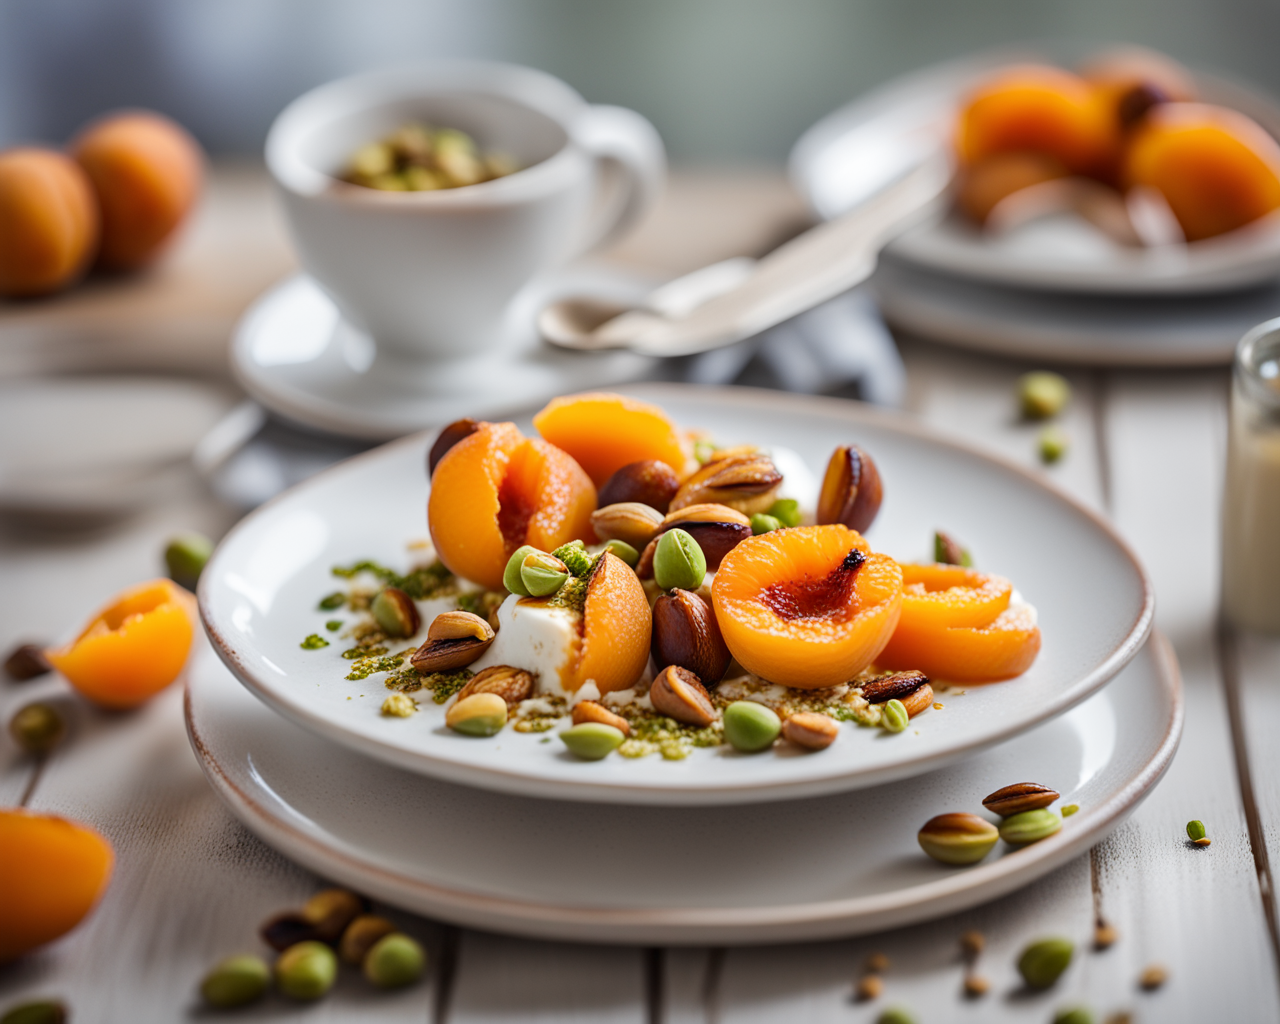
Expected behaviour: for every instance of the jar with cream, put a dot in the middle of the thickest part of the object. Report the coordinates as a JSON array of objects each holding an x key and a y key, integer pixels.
[{"x": 1251, "y": 503}]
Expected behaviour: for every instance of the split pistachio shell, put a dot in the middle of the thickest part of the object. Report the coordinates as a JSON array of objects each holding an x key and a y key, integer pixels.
[
  {"x": 678, "y": 693},
  {"x": 511, "y": 574},
  {"x": 592, "y": 741},
  {"x": 306, "y": 970},
  {"x": 631, "y": 521},
  {"x": 1029, "y": 827},
  {"x": 1042, "y": 963},
  {"x": 750, "y": 727},
  {"x": 395, "y": 613},
  {"x": 235, "y": 981},
  {"x": 481, "y": 714},
  {"x": 958, "y": 838},
  {"x": 459, "y": 625},
  {"x": 1021, "y": 796}
]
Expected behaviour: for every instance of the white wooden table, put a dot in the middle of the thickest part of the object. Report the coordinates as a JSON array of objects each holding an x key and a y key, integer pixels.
[{"x": 192, "y": 885}]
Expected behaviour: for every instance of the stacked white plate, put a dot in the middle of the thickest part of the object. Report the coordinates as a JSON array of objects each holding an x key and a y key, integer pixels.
[
  {"x": 1056, "y": 289},
  {"x": 513, "y": 834}
]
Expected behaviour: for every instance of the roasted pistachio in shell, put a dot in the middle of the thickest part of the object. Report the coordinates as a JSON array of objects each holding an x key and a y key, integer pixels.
[
  {"x": 957, "y": 838},
  {"x": 1021, "y": 796},
  {"x": 481, "y": 714},
  {"x": 511, "y": 574},
  {"x": 511, "y": 684},
  {"x": 747, "y": 481},
  {"x": 593, "y": 711},
  {"x": 851, "y": 489},
  {"x": 811, "y": 730},
  {"x": 288, "y": 929},
  {"x": 631, "y": 521},
  {"x": 395, "y": 613},
  {"x": 678, "y": 693},
  {"x": 685, "y": 633},
  {"x": 543, "y": 574},
  {"x": 454, "y": 640},
  {"x": 331, "y": 910},
  {"x": 649, "y": 482},
  {"x": 911, "y": 689},
  {"x": 360, "y": 936},
  {"x": 26, "y": 661},
  {"x": 447, "y": 438}
]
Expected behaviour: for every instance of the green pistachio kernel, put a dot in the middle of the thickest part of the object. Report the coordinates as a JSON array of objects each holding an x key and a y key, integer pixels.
[
  {"x": 786, "y": 511},
  {"x": 46, "y": 1011},
  {"x": 624, "y": 551},
  {"x": 1195, "y": 829},
  {"x": 592, "y": 741},
  {"x": 750, "y": 727},
  {"x": 481, "y": 714},
  {"x": 237, "y": 980},
  {"x": 511, "y": 574},
  {"x": 1073, "y": 1015},
  {"x": 1029, "y": 826},
  {"x": 1069, "y": 810},
  {"x": 306, "y": 970},
  {"x": 575, "y": 557},
  {"x": 542, "y": 574},
  {"x": 185, "y": 557},
  {"x": 1053, "y": 444},
  {"x": 1043, "y": 394},
  {"x": 894, "y": 717},
  {"x": 1043, "y": 962},
  {"x": 678, "y": 562},
  {"x": 37, "y": 728},
  {"x": 761, "y": 523},
  {"x": 314, "y": 642},
  {"x": 896, "y": 1015},
  {"x": 394, "y": 961},
  {"x": 395, "y": 613},
  {"x": 703, "y": 450},
  {"x": 331, "y": 601}
]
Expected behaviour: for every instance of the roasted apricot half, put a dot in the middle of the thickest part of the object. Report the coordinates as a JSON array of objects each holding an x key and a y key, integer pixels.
[
  {"x": 605, "y": 432},
  {"x": 616, "y": 629},
  {"x": 496, "y": 490},
  {"x": 957, "y": 625},
  {"x": 1217, "y": 169},
  {"x": 809, "y": 606}
]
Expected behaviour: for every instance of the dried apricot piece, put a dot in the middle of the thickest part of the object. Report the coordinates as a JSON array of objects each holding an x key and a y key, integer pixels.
[
  {"x": 605, "y": 432},
  {"x": 807, "y": 607},
  {"x": 616, "y": 629}
]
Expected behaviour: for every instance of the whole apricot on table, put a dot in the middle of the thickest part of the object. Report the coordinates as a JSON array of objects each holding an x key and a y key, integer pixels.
[
  {"x": 52, "y": 872},
  {"x": 1037, "y": 109},
  {"x": 133, "y": 648},
  {"x": 48, "y": 222},
  {"x": 809, "y": 606},
  {"x": 497, "y": 490},
  {"x": 604, "y": 432},
  {"x": 146, "y": 172},
  {"x": 1217, "y": 169}
]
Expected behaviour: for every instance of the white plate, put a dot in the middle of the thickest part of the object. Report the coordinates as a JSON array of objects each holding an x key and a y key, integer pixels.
[
  {"x": 914, "y": 114},
  {"x": 804, "y": 869},
  {"x": 295, "y": 355},
  {"x": 258, "y": 599}
]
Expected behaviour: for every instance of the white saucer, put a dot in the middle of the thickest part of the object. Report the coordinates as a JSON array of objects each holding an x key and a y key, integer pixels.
[
  {"x": 897, "y": 123},
  {"x": 259, "y": 593},
  {"x": 803, "y": 869},
  {"x": 295, "y": 355}
]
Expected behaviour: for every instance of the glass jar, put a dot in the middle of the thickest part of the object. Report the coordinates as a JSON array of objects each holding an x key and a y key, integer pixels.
[{"x": 1251, "y": 503}]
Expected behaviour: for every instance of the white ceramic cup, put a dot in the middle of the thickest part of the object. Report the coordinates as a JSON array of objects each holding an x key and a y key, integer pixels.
[{"x": 431, "y": 274}]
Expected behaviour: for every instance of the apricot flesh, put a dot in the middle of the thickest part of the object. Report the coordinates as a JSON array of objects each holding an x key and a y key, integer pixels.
[
  {"x": 52, "y": 872},
  {"x": 48, "y": 222},
  {"x": 146, "y": 171},
  {"x": 616, "y": 629},
  {"x": 1217, "y": 169},
  {"x": 806, "y": 607},
  {"x": 496, "y": 490},
  {"x": 1037, "y": 109},
  {"x": 605, "y": 432}
]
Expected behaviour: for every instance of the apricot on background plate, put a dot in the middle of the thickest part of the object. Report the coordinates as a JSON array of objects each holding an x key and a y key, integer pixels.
[
  {"x": 1038, "y": 109},
  {"x": 807, "y": 607},
  {"x": 52, "y": 872},
  {"x": 605, "y": 432},
  {"x": 496, "y": 490},
  {"x": 146, "y": 172},
  {"x": 1217, "y": 169},
  {"x": 48, "y": 222}
]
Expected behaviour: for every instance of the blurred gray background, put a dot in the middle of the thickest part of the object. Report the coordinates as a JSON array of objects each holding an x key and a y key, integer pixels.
[{"x": 723, "y": 80}]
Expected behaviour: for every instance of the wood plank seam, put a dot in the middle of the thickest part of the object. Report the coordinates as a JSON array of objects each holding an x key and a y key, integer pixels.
[
  {"x": 446, "y": 973},
  {"x": 714, "y": 971},
  {"x": 654, "y": 966},
  {"x": 1227, "y": 651}
]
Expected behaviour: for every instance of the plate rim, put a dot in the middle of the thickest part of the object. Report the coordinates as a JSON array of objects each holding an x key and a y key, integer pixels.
[
  {"x": 722, "y": 925},
  {"x": 512, "y": 780}
]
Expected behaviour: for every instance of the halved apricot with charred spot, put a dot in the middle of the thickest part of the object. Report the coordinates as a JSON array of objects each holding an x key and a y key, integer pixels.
[
  {"x": 605, "y": 432},
  {"x": 957, "y": 625},
  {"x": 807, "y": 607},
  {"x": 616, "y": 629},
  {"x": 497, "y": 489}
]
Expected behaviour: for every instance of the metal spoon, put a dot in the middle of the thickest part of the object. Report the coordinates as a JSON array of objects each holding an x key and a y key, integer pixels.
[{"x": 719, "y": 310}]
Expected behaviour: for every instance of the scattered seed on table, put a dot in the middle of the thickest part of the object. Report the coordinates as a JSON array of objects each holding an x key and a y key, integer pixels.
[
  {"x": 1104, "y": 936},
  {"x": 1152, "y": 977},
  {"x": 870, "y": 987}
]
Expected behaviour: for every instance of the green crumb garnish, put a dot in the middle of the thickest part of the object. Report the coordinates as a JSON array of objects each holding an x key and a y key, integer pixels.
[
  {"x": 428, "y": 581},
  {"x": 314, "y": 642},
  {"x": 480, "y": 602},
  {"x": 335, "y": 600},
  {"x": 363, "y": 652},
  {"x": 366, "y": 667},
  {"x": 333, "y": 625},
  {"x": 572, "y": 595},
  {"x": 575, "y": 557}
]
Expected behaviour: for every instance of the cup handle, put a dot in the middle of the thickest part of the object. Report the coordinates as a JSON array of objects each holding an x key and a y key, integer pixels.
[{"x": 634, "y": 170}]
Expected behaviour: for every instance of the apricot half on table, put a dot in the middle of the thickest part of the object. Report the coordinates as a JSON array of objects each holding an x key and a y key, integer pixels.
[
  {"x": 48, "y": 222},
  {"x": 1217, "y": 169},
  {"x": 133, "y": 648},
  {"x": 957, "y": 625},
  {"x": 605, "y": 432},
  {"x": 496, "y": 490},
  {"x": 52, "y": 872},
  {"x": 616, "y": 629},
  {"x": 145, "y": 170},
  {"x": 1037, "y": 109},
  {"x": 807, "y": 607}
]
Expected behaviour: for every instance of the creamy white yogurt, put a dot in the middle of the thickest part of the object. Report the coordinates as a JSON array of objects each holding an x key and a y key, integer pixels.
[{"x": 538, "y": 638}]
